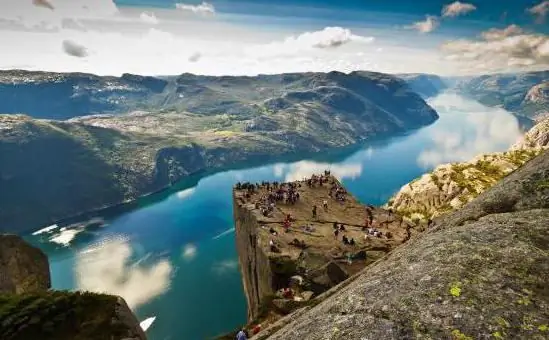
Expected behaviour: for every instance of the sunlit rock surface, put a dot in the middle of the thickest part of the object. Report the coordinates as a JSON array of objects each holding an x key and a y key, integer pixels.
[
  {"x": 451, "y": 186},
  {"x": 478, "y": 273}
]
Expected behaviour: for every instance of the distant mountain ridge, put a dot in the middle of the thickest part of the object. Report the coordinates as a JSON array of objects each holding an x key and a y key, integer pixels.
[{"x": 152, "y": 132}]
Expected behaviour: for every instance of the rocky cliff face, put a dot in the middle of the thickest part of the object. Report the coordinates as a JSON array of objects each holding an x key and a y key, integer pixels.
[
  {"x": 478, "y": 273},
  {"x": 451, "y": 186},
  {"x": 307, "y": 257},
  {"x": 29, "y": 310},
  {"x": 23, "y": 268},
  {"x": 257, "y": 275}
]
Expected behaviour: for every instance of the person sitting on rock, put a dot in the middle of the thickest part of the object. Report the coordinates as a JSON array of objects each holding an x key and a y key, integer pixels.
[
  {"x": 345, "y": 240},
  {"x": 272, "y": 231},
  {"x": 287, "y": 293},
  {"x": 341, "y": 227},
  {"x": 325, "y": 204},
  {"x": 273, "y": 247},
  {"x": 242, "y": 335},
  {"x": 352, "y": 242}
]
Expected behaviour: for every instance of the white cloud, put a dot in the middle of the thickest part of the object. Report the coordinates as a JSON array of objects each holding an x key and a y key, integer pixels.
[
  {"x": 195, "y": 57},
  {"x": 486, "y": 129},
  {"x": 498, "y": 34},
  {"x": 304, "y": 169},
  {"x": 225, "y": 266},
  {"x": 457, "y": 8},
  {"x": 428, "y": 25},
  {"x": 149, "y": 18},
  {"x": 188, "y": 252},
  {"x": 501, "y": 50},
  {"x": 185, "y": 193},
  {"x": 50, "y": 14},
  {"x": 107, "y": 268},
  {"x": 326, "y": 38},
  {"x": 540, "y": 11},
  {"x": 203, "y": 8},
  {"x": 66, "y": 235},
  {"x": 73, "y": 49}
]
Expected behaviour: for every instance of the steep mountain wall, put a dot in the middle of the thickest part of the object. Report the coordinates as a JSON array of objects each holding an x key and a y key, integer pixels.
[{"x": 254, "y": 262}]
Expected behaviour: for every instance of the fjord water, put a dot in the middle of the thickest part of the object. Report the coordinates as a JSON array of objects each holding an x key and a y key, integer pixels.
[{"x": 172, "y": 255}]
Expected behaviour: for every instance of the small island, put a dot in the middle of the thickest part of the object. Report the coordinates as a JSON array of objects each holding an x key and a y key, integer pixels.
[{"x": 297, "y": 240}]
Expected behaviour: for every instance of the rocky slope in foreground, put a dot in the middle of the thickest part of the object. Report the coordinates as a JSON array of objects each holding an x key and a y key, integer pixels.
[
  {"x": 478, "y": 273},
  {"x": 61, "y": 168},
  {"x": 29, "y": 311},
  {"x": 451, "y": 186}
]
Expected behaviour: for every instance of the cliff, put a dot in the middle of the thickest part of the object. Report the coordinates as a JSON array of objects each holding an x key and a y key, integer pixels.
[
  {"x": 450, "y": 186},
  {"x": 23, "y": 268},
  {"x": 29, "y": 310},
  {"x": 477, "y": 273},
  {"x": 200, "y": 123},
  {"x": 309, "y": 258}
]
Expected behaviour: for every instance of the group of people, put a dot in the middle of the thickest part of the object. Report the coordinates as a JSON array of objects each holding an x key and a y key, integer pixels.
[
  {"x": 318, "y": 179},
  {"x": 338, "y": 193},
  {"x": 340, "y": 228}
]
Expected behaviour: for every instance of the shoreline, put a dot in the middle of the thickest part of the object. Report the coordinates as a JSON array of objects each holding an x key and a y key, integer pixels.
[{"x": 192, "y": 179}]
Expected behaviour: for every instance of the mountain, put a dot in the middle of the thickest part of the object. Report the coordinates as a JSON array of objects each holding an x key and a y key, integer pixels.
[
  {"x": 525, "y": 94},
  {"x": 477, "y": 273},
  {"x": 427, "y": 85},
  {"x": 451, "y": 186},
  {"x": 181, "y": 125}
]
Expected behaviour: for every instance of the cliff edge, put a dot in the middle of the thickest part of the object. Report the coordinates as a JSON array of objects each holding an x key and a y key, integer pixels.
[
  {"x": 28, "y": 310},
  {"x": 291, "y": 252},
  {"x": 478, "y": 273}
]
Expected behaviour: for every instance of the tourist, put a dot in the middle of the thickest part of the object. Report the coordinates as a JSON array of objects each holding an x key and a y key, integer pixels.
[
  {"x": 325, "y": 204},
  {"x": 336, "y": 233},
  {"x": 314, "y": 211},
  {"x": 352, "y": 242},
  {"x": 256, "y": 329},
  {"x": 242, "y": 335},
  {"x": 345, "y": 240}
]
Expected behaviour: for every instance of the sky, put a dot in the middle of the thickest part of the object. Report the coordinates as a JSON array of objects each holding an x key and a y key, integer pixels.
[{"x": 230, "y": 37}]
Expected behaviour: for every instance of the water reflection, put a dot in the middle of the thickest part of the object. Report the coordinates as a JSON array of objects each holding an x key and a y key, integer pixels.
[
  {"x": 483, "y": 130},
  {"x": 304, "y": 169},
  {"x": 106, "y": 267}
]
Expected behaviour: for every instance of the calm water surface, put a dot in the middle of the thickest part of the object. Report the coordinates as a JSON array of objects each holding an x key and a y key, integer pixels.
[{"x": 173, "y": 255}]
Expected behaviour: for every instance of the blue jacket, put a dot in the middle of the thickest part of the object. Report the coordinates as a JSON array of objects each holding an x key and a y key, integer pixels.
[{"x": 241, "y": 336}]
